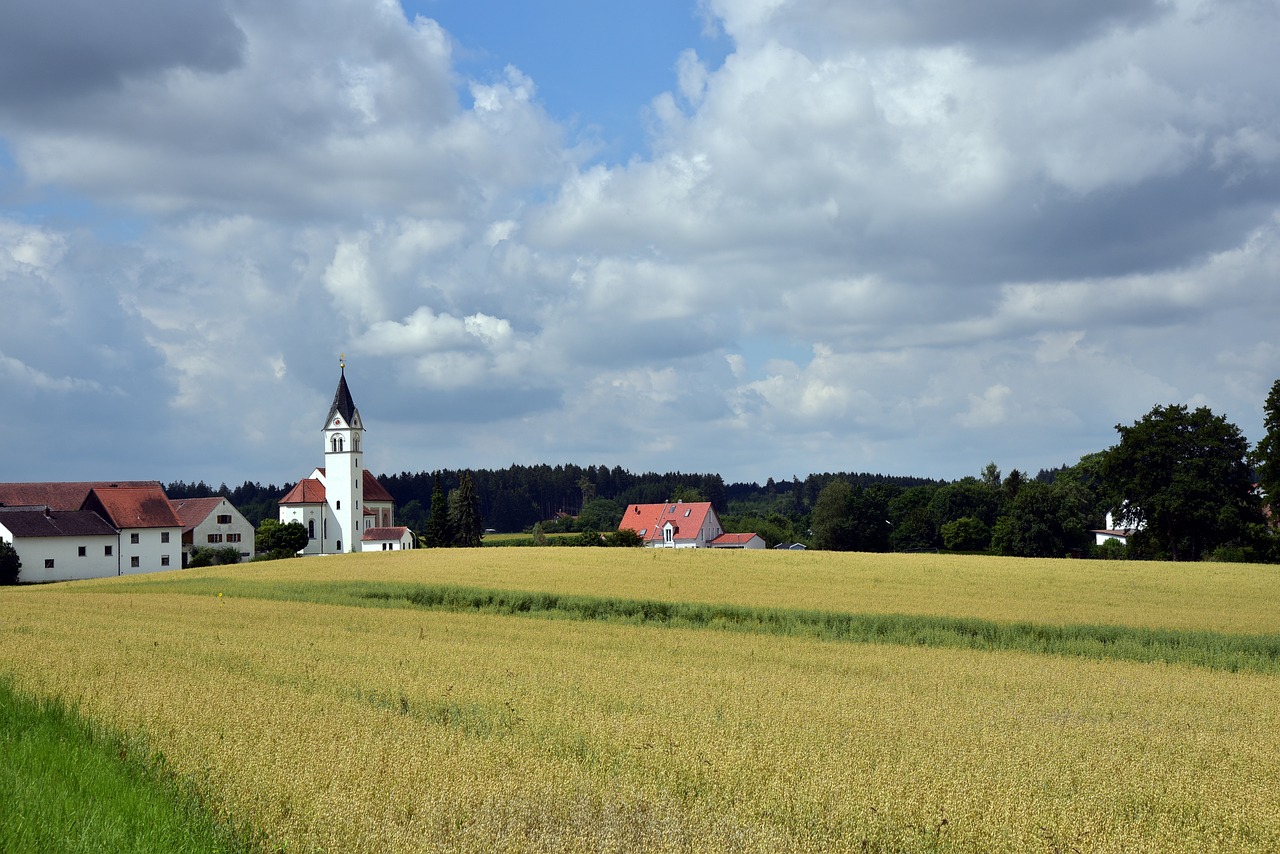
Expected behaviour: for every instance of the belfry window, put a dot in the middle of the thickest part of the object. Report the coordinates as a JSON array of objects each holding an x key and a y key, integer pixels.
[{"x": 336, "y": 444}]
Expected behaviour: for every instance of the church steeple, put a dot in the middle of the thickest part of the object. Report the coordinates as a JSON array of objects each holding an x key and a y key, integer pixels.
[{"x": 343, "y": 406}]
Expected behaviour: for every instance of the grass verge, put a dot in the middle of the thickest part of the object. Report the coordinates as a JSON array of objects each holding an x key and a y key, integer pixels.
[{"x": 65, "y": 787}]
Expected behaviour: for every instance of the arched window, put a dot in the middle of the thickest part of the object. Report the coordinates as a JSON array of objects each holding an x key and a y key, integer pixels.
[
  {"x": 355, "y": 442},
  {"x": 311, "y": 528},
  {"x": 336, "y": 444}
]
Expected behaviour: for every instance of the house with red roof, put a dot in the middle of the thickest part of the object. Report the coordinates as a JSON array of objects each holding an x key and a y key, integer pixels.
[
  {"x": 342, "y": 500},
  {"x": 213, "y": 523},
  {"x": 683, "y": 525},
  {"x": 53, "y": 529}
]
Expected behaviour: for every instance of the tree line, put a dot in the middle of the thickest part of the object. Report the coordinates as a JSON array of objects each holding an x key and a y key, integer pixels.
[{"x": 1184, "y": 481}]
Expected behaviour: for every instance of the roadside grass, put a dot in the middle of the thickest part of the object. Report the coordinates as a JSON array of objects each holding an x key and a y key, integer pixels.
[{"x": 66, "y": 787}]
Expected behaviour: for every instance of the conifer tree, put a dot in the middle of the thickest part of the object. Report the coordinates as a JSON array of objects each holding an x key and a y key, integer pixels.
[{"x": 437, "y": 534}]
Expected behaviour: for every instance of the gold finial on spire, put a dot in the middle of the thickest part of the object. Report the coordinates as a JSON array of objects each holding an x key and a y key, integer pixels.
[{"x": 342, "y": 361}]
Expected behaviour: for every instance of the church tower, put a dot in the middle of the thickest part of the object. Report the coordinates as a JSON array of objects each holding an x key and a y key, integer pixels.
[{"x": 343, "y": 472}]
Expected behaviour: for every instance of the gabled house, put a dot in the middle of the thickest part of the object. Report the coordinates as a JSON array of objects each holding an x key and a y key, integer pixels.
[
  {"x": 212, "y": 523},
  {"x": 389, "y": 539},
  {"x": 146, "y": 533},
  {"x": 682, "y": 525},
  {"x": 60, "y": 545},
  {"x": 738, "y": 541},
  {"x": 1111, "y": 532}
]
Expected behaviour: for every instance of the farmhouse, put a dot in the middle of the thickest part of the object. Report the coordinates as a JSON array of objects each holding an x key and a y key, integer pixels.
[
  {"x": 1111, "y": 532},
  {"x": 212, "y": 523},
  {"x": 681, "y": 525},
  {"x": 68, "y": 531},
  {"x": 342, "y": 501}
]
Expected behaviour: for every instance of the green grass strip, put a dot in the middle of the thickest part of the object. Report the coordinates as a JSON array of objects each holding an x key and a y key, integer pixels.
[
  {"x": 1205, "y": 649},
  {"x": 1212, "y": 650},
  {"x": 66, "y": 787}
]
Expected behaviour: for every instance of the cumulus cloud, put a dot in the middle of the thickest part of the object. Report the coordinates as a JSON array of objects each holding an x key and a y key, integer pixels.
[{"x": 904, "y": 237}]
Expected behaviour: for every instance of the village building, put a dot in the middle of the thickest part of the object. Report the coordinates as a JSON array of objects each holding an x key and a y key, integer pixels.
[
  {"x": 341, "y": 504},
  {"x": 212, "y": 523},
  {"x": 75, "y": 530},
  {"x": 683, "y": 525}
]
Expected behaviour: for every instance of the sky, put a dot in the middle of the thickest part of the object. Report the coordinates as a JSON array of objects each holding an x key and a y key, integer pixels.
[{"x": 760, "y": 238}]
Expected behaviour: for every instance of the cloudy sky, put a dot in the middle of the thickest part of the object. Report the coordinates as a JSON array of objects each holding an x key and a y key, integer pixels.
[{"x": 755, "y": 237}]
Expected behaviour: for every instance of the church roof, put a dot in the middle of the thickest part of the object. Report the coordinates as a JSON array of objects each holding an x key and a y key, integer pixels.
[
  {"x": 342, "y": 403},
  {"x": 307, "y": 491}
]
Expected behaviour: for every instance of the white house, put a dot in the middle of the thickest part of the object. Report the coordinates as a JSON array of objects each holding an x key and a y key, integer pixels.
[
  {"x": 212, "y": 523},
  {"x": 683, "y": 525},
  {"x": 147, "y": 533},
  {"x": 388, "y": 539},
  {"x": 738, "y": 541},
  {"x": 60, "y": 545},
  {"x": 1111, "y": 532},
  {"x": 342, "y": 500}
]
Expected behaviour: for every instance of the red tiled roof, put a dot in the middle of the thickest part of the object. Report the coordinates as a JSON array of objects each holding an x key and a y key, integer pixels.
[
  {"x": 735, "y": 539},
  {"x": 60, "y": 496},
  {"x": 306, "y": 491},
  {"x": 392, "y": 533},
  {"x": 374, "y": 490},
  {"x": 133, "y": 506},
  {"x": 649, "y": 519},
  {"x": 193, "y": 511},
  {"x": 311, "y": 491},
  {"x": 55, "y": 523}
]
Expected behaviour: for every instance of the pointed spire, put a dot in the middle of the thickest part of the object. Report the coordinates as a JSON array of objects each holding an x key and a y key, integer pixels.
[{"x": 342, "y": 403}]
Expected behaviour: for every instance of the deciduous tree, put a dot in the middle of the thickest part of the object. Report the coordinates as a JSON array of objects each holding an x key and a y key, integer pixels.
[
  {"x": 10, "y": 563},
  {"x": 1182, "y": 476}
]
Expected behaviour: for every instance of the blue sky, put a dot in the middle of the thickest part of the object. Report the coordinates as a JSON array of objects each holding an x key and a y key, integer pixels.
[{"x": 756, "y": 237}]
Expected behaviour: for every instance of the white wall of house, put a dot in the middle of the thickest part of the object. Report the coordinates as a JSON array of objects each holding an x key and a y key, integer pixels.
[
  {"x": 150, "y": 550},
  {"x": 98, "y": 560},
  {"x": 403, "y": 543},
  {"x": 214, "y": 533}
]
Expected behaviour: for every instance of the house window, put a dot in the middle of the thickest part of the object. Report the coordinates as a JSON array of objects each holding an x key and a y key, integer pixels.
[
  {"x": 106, "y": 550},
  {"x": 81, "y": 551},
  {"x": 233, "y": 538},
  {"x": 339, "y": 503},
  {"x": 224, "y": 518},
  {"x": 48, "y": 563},
  {"x": 164, "y": 560},
  {"x": 134, "y": 561},
  {"x": 133, "y": 539},
  {"x": 215, "y": 538},
  {"x": 164, "y": 536}
]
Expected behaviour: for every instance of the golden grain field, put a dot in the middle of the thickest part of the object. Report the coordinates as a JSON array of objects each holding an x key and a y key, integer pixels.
[{"x": 378, "y": 729}]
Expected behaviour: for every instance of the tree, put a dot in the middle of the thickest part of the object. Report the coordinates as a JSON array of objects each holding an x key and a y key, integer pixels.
[
  {"x": 437, "y": 534},
  {"x": 599, "y": 514},
  {"x": 1182, "y": 478},
  {"x": 848, "y": 518},
  {"x": 279, "y": 541},
  {"x": 10, "y": 563},
  {"x": 966, "y": 534},
  {"x": 1266, "y": 456},
  {"x": 464, "y": 514},
  {"x": 207, "y": 556}
]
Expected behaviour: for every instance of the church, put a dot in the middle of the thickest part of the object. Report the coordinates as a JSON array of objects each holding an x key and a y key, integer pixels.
[{"x": 342, "y": 505}]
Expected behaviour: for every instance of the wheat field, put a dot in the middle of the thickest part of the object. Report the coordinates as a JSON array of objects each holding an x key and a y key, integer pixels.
[{"x": 341, "y": 728}]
